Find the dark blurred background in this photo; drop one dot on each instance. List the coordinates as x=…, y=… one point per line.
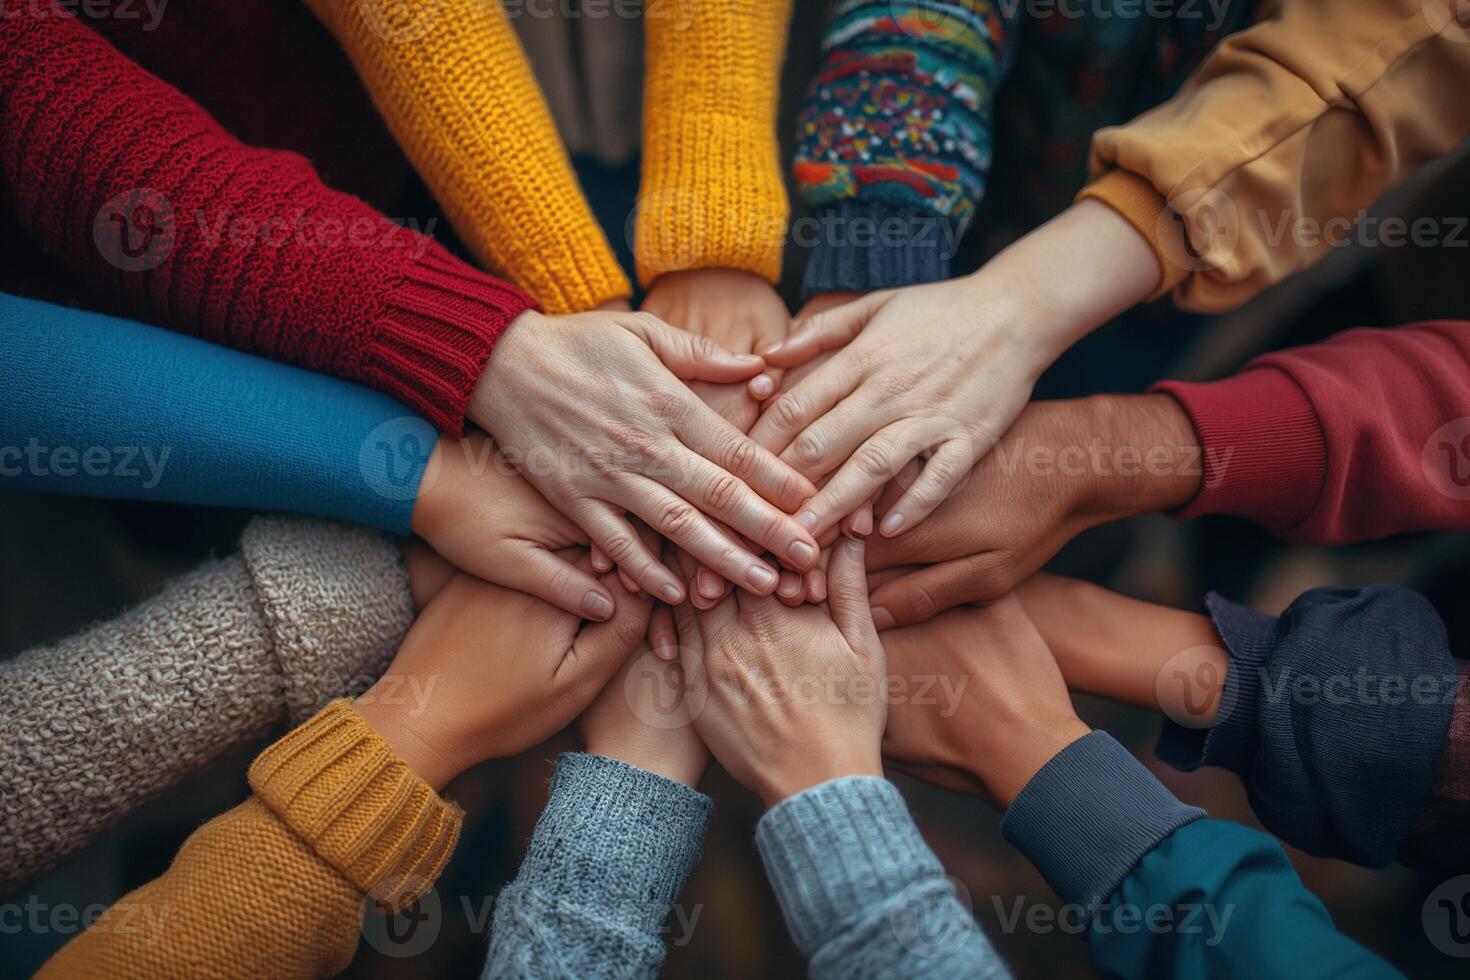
x=66, y=562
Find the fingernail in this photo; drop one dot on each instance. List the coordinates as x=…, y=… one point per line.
x=891, y=524
x=818, y=588
x=597, y=606
x=854, y=547
x=708, y=583
x=807, y=520
x=672, y=594
x=801, y=553
x=750, y=359
x=774, y=347
x=882, y=618
x=762, y=386
x=761, y=578
x=862, y=522
x=790, y=585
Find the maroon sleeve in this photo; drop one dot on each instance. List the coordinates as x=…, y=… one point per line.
x=1362, y=436
x=138, y=190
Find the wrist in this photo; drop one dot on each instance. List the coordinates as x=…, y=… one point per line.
x=427, y=747
x=662, y=753
x=510, y=351
x=803, y=768
x=1011, y=766
x=1148, y=456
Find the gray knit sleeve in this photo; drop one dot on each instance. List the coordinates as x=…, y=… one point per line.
x=607, y=861
x=102, y=721
x=862, y=893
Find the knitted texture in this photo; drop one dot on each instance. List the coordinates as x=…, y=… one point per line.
x=136, y=188
x=712, y=193
x=276, y=886
x=1438, y=839
x=107, y=719
x=452, y=81
x=608, y=859
x=104, y=407
x=1334, y=716
x=862, y=893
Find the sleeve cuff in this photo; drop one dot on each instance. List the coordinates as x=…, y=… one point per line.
x=1265, y=457
x=340, y=788
x=1143, y=207
x=434, y=336
x=835, y=850
x=616, y=837
x=1230, y=743
x=1089, y=815
x=860, y=246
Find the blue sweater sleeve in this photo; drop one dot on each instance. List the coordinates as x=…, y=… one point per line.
x=98, y=406
x=1335, y=716
x=862, y=893
x=606, y=864
x=1166, y=892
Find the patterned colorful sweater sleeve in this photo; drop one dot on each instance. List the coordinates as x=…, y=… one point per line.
x=138, y=190
x=893, y=143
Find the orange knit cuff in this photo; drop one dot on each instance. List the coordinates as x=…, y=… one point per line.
x=1143, y=207
x=335, y=782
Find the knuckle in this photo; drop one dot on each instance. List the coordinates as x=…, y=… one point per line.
x=740, y=457
x=676, y=518
x=875, y=459
x=702, y=347
x=723, y=492
x=788, y=411
x=665, y=404
x=810, y=448
x=619, y=548
x=561, y=581
x=899, y=381
x=920, y=601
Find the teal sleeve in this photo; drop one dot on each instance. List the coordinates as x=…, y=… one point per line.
x=102, y=407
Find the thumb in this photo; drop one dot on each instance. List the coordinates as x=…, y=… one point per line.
x=824, y=331
x=926, y=593
x=847, y=597
x=599, y=649
x=689, y=356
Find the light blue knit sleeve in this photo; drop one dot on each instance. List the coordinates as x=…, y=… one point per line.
x=101, y=407
x=862, y=893
x=605, y=867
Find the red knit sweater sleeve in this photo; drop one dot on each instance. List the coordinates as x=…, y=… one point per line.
x=141, y=192
x=1364, y=435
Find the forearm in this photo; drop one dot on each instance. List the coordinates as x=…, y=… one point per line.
x=456, y=90
x=607, y=862
x=712, y=195
x=861, y=891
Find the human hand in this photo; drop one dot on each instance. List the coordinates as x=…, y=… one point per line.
x=591, y=408
x=944, y=368
x=488, y=672
x=632, y=721
x=750, y=666
x=1003, y=713
x=1065, y=466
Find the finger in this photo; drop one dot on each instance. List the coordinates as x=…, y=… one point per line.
x=721, y=495
x=791, y=590
x=859, y=524
x=615, y=536
x=831, y=440
x=690, y=357
x=601, y=648
x=824, y=331
x=540, y=573
x=711, y=436
x=815, y=582
x=790, y=412
x=847, y=597
x=943, y=473
x=708, y=585
x=924, y=594
x=681, y=522
x=874, y=464
x=663, y=638
x=427, y=572
x=600, y=562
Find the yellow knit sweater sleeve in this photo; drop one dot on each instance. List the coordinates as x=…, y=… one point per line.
x=712, y=193
x=276, y=886
x=454, y=85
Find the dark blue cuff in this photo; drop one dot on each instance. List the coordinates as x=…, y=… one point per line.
x=860, y=246
x=1089, y=815
x=1230, y=743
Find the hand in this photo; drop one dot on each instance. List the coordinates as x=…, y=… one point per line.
x=591, y=408
x=640, y=718
x=488, y=672
x=788, y=698
x=479, y=514
x=1065, y=466
x=945, y=368
x=1003, y=713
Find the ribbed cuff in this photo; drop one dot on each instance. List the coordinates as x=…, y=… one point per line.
x=434, y=337
x=1089, y=815
x=1143, y=207
x=336, y=783
x=1230, y=743
x=616, y=837
x=861, y=246
x=1264, y=454
x=336, y=601
x=838, y=849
